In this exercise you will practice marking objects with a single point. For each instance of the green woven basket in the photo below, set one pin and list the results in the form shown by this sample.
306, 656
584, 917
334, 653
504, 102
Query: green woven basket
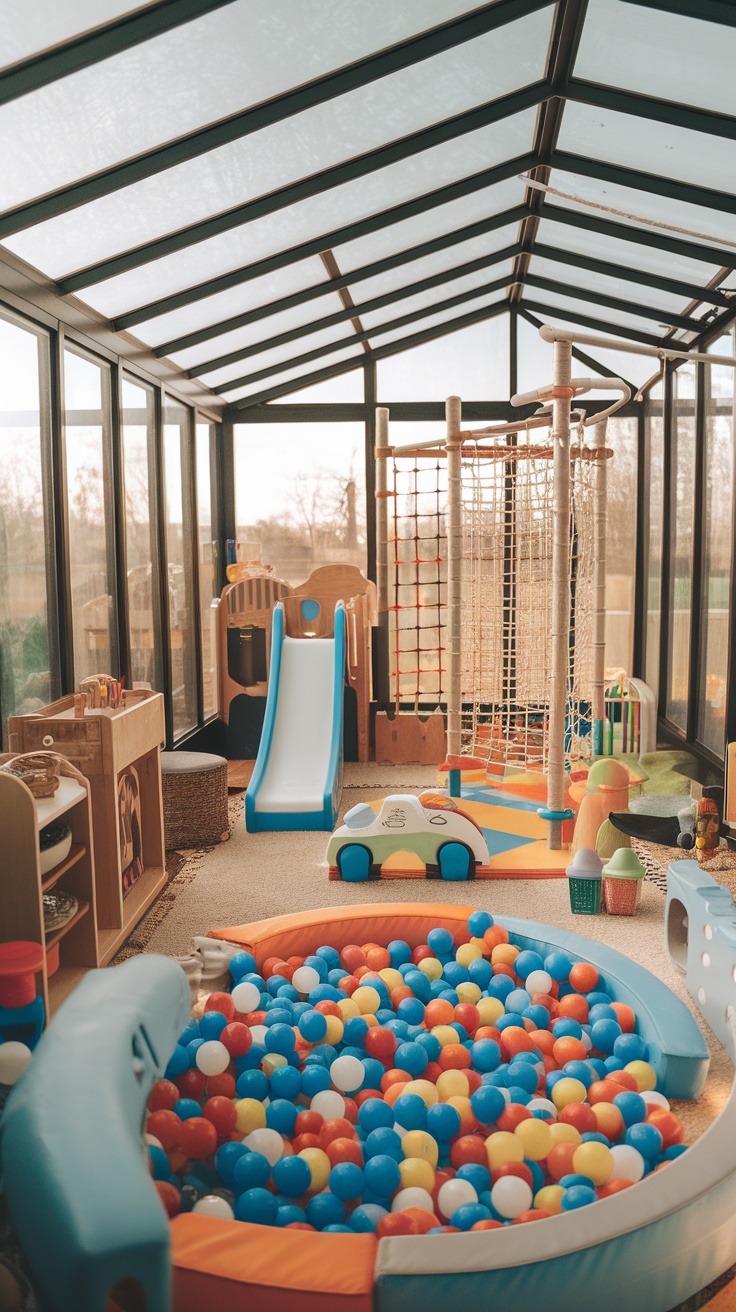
585, 896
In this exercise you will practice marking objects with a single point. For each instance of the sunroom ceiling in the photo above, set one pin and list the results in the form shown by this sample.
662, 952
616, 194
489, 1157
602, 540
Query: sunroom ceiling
266, 194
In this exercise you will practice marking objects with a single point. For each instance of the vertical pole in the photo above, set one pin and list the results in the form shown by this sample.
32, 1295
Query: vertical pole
561, 377
381, 678
453, 443
600, 515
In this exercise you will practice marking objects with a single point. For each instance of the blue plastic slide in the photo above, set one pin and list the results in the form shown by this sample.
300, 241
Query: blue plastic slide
297, 779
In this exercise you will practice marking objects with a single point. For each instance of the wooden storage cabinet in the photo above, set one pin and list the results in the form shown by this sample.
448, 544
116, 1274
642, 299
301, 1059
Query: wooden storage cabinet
22, 886
104, 744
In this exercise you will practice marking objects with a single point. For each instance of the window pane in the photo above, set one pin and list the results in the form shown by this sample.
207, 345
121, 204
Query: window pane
300, 493
141, 546
298, 373
718, 523
681, 563
568, 306
24, 24
623, 253
608, 285
535, 358
472, 363
654, 435
192, 357
182, 618
207, 564
430, 298
344, 387
221, 379
28, 650
621, 436
91, 548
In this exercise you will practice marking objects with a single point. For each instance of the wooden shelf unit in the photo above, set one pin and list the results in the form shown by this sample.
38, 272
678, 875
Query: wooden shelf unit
22, 886
103, 744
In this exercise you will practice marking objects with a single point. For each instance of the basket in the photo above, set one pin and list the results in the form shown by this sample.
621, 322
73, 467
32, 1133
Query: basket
585, 896
194, 788
621, 896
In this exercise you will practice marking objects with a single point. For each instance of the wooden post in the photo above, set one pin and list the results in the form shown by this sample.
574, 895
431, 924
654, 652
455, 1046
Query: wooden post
381, 678
600, 515
560, 634
453, 445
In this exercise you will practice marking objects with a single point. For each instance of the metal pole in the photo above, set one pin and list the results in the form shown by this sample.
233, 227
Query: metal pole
382, 450
453, 446
600, 516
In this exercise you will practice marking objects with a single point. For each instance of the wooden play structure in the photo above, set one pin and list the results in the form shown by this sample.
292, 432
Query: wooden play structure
244, 633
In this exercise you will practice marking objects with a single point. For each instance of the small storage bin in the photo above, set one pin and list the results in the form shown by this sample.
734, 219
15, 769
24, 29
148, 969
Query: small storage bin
584, 882
622, 880
194, 788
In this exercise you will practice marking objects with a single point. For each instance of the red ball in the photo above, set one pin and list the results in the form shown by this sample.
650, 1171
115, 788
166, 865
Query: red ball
519, 1169
165, 1126
514, 1040
579, 1115
329, 1009
344, 1150
434, 1070
163, 1095
284, 969
270, 965
299, 1225
308, 1123
468, 1015
237, 1038
397, 1223
603, 1091
221, 1002
221, 1112
454, 1057
351, 957
380, 1043
487, 1225
559, 1160
197, 1137
670, 1126
421, 953
349, 983
583, 977
221, 1086
468, 1148
191, 1084
474, 1078
337, 1127
364, 1094
170, 1197
351, 1110
534, 1214
378, 958
512, 1115
303, 1141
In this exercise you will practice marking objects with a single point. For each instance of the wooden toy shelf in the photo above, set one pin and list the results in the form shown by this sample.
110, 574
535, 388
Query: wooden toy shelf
22, 886
104, 745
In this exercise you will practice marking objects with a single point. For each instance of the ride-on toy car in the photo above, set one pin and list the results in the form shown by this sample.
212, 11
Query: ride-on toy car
431, 826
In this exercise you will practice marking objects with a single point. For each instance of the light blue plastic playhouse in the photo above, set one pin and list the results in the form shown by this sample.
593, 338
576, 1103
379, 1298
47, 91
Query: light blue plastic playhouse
71, 1140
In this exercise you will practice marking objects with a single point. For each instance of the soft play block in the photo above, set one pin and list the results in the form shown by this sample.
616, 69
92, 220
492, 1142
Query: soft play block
226, 1266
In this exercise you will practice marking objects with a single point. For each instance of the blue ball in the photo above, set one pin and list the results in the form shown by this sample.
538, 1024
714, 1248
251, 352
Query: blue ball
430, 1043
551, 1079
252, 1059
475, 1174
598, 998
354, 1031
382, 1175
374, 1072
487, 1103
329, 955
580, 1070
598, 1067
420, 986
518, 1001
526, 962
160, 1168
518, 1095
365, 1218
324, 993
500, 987
411, 1010
595, 1136
469, 1214
569, 1181
256, 1205
632, 1107
314, 1080
455, 974
383, 1141
292, 1175
674, 1150
346, 1181
178, 1063
411, 1111
486, 1055
538, 1014
443, 1122
613, 1064
411, 1057
462, 1033
566, 1027
601, 1011
510, 1019
537, 1174
281, 1039
277, 1015
481, 972
522, 1075
326, 1051
375, 1114
440, 940
212, 1024
338, 1230
646, 1139
186, 1108
251, 1171
578, 1196
281, 1115
288, 1214
399, 952
604, 1034
320, 965
558, 965
479, 922
630, 1047
252, 1084
325, 1209
243, 963
225, 1158
285, 1082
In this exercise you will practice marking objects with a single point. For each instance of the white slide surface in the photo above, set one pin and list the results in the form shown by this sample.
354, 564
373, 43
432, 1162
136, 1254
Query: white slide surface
295, 778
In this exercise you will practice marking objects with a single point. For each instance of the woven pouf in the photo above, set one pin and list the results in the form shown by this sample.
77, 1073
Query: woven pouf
195, 799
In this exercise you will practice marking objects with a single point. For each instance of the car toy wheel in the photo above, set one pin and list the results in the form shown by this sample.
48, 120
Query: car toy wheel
354, 863
456, 862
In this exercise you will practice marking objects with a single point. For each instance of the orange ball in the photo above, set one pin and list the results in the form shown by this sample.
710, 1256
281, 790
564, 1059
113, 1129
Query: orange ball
467, 1149
468, 1122
400, 994
544, 1040
378, 958
395, 1090
559, 1160
454, 1057
392, 1077
337, 1127
534, 1214
491, 1225
569, 1048
504, 954
514, 1040
495, 935
573, 1007
614, 1187
511, 1116
583, 977
467, 1014
603, 1091
344, 1150
580, 1115
501, 968
625, 1017
627, 1081
438, 1012
670, 1126
487, 1032
351, 957
397, 1223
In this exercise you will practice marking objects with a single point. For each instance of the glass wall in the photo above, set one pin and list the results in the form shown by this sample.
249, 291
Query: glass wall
183, 619
87, 448
207, 565
621, 436
654, 474
141, 550
717, 549
300, 495
29, 658
681, 546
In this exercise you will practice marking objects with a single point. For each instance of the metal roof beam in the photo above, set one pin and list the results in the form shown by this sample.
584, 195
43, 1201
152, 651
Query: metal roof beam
365, 336
648, 107
295, 385
674, 286
347, 171
100, 43
234, 127
586, 321
372, 270
639, 181
661, 241
665, 318
707, 11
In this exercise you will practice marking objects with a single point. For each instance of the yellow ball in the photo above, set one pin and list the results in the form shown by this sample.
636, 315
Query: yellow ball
393, 979
566, 1091
467, 953
367, 1000
463, 1106
468, 992
348, 1008
594, 1160
549, 1199
445, 1034
250, 1115
535, 1137
335, 1029
644, 1074
371, 1020
431, 967
319, 1165
416, 1172
452, 1084
503, 1147
271, 1062
480, 945
490, 1010
424, 1088
418, 1143
562, 1133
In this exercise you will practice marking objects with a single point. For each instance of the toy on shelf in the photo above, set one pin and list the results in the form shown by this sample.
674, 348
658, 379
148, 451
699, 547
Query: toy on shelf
584, 882
447, 842
22, 1013
630, 723
100, 692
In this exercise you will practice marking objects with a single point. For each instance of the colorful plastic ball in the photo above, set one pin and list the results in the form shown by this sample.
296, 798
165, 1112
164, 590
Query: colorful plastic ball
319, 1166
289, 1214
644, 1074
243, 963
566, 1090
251, 1115
632, 1107
374, 1114
670, 1126
347, 1074
646, 1138
510, 1196
542, 1107
411, 1057
583, 977
628, 1164
292, 1176
257, 1206
420, 1144
325, 1209
281, 1115
549, 1199
328, 1103
610, 1121
366, 1218
213, 1023
246, 998
578, 1195
312, 1026
443, 1122
411, 1111
186, 1108
526, 962
503, 1146
346, 1181
382, 1175
440, 940
197, 1137
535, 1138
367, 999
653, 1098
538, 981
630, 1047
252, 1085
212, 1057
383, 1140
305, 979
226, 1157
267, 1142
595, 1161
479, 922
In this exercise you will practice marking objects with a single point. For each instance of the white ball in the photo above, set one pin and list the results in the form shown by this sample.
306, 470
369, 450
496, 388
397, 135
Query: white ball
212, 1057
628, 1164
656, 1099
304, 979
588, 1042
14, 1057
328, 1103
511, 1196
400, 1130
347, 1074
538, 981
214, 1205
454, 1194
542, 1105
246, 997
412, 1197
151, 1141
258, 1034
265, 1141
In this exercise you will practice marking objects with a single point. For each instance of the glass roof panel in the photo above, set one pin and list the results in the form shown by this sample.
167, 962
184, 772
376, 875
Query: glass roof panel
606, 284
595, 311
615, 251
279, 355
298, 372
642, 143
692, 64
629, 204
344, 387
237, 300
636, 369
201, 187
159, 90
429, 265
27, 29
444, 317
252, 333
433, 295
472, 363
